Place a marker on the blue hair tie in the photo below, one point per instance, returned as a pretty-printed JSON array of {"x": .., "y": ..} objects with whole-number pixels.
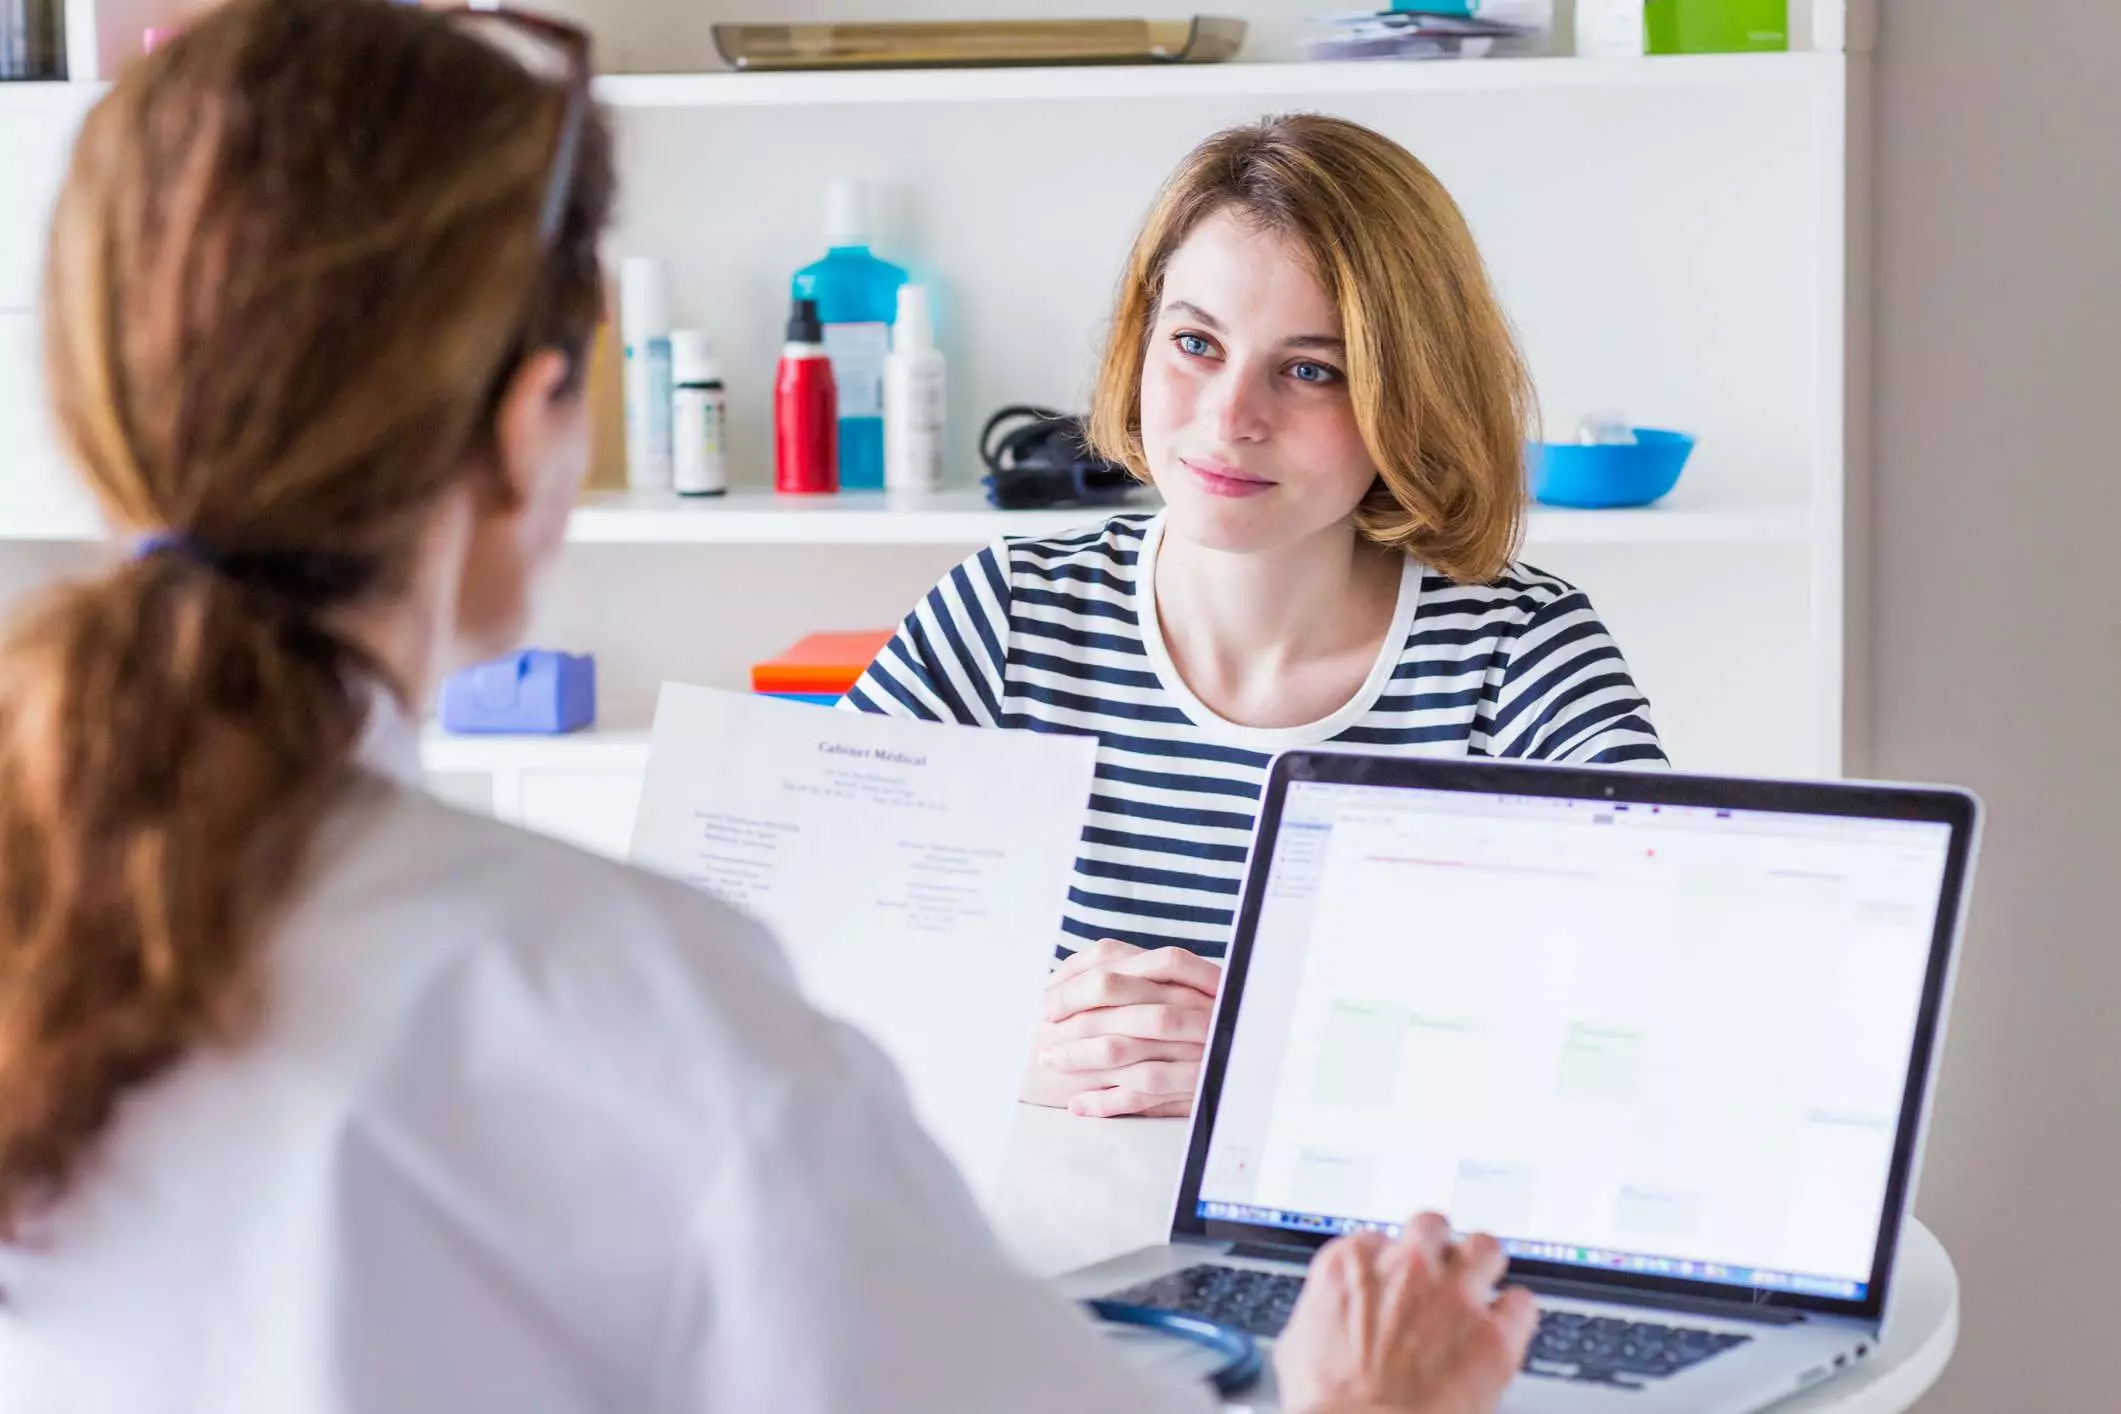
[
  {"x": 305, "y": 579},
  {"x": 171, "y": 542}
]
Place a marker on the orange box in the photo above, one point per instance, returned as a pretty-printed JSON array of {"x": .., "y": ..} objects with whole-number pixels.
[{"x": 821, "y": 663}]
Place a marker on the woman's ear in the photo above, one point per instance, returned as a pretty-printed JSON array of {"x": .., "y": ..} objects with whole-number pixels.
[
  {"x": 541, "y": 450},
  {"x": 533, "y": 421}
]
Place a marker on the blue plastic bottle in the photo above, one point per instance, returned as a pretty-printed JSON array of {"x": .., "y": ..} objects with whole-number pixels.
[{"x": 857, "y": 298}]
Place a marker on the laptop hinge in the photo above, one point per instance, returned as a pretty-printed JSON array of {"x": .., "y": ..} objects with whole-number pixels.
[
  {"x": 1660, "y": 1300},
  {"x": 1274, "y": 1251}
]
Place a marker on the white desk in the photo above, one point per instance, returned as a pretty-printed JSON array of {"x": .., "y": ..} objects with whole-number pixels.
[{"x": 1076, "y": 1191}]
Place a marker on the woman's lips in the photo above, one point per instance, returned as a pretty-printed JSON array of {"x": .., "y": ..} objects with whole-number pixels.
[{"x": 1217, "y": 479}]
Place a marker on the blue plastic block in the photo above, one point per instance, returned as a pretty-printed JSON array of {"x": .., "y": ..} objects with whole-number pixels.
[{"x": 535, "y": 691}]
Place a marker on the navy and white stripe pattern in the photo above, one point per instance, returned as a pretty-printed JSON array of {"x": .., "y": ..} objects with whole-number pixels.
[{"x": 1060, "y": 635}]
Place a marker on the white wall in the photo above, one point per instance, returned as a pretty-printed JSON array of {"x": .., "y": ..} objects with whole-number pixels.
[{"x": 1997, "y": 656}]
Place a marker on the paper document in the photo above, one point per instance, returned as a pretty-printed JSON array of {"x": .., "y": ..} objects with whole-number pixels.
[{"x": 915, "y": 874}]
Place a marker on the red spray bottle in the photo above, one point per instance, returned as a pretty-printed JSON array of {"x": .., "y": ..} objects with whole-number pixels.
[{"x": 806, "y": 410}]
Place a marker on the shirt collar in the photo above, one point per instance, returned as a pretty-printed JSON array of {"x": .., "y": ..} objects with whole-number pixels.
[{"x": 390, "y": 740}]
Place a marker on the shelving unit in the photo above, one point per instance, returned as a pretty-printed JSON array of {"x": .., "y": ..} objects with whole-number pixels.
[
  {"x": 584, "y": 786},
  {"x": 1241, "y": 80},
  {"x": 962, "y": 517},
  {"x": 755, "y": 517},
  {"x": 618, "y": 742},
  {"x": 1680, "y": 238},
  {"x": 1264, "y": 81},
  {"x": 70, "y": 99}
]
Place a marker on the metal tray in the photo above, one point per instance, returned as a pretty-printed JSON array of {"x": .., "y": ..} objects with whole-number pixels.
[{"x": 979, "y": 44}]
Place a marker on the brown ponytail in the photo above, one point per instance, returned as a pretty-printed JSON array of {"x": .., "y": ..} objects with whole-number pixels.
[{"x": 294, "y": 262}]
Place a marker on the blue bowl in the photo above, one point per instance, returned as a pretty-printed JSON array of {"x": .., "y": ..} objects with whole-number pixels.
[{"x": 1596, "y": 478}]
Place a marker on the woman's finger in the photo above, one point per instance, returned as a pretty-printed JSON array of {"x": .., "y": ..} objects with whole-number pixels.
[
  {"x": 1479, "y": 1264},
  {"x": 1160, "y": 1080},
  {"x": 1099, "y": 954},
  {"x": 1112, "y": 1053},
  {"x": 1108, "y": 987},
  {"x": 1174, "y": 965},
  {"x": 1517, "y": 1312},
  {"x": 1154, "y": 1022},
  {"x": 1427, "y": 1237},
  {"x": 1109, "y": 1104}
]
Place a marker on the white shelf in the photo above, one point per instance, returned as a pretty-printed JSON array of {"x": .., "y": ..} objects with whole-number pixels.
[
  {"x": 745, "y": 517},
  {"x": 616, "y": 741},
  {"x": 619, "y": 747},
  {"x": 48, "y": 96},
  {"x": 1686, "y": 517},
  {"x": 51, "y": 521},
  {"x": 1101, "y": 83},
  {"x": 963, "y": 517},
  {"x": 1117, "y": 82}
]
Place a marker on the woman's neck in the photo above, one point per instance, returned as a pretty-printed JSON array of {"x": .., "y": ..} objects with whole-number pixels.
[
  {"x": 409, "y": 636},
  {"x": 1276, "y": 638}
]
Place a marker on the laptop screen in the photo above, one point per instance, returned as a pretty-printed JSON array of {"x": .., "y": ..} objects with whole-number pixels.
[{"x": 1658, "y": 1039}]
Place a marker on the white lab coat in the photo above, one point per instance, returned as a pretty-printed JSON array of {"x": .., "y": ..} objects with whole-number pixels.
[{"x": 528, "y": 1131}]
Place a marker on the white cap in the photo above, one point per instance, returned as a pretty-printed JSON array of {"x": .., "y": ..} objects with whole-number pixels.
[
  {"x": 692, "y": 357},
  {"x": 913, "y": 329},
  {"x": 846, "y": 213},
  {"x": 644, "y": 299}
]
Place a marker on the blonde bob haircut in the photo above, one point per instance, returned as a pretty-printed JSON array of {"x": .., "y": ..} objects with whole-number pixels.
[{"x": 1440, "y": 390}]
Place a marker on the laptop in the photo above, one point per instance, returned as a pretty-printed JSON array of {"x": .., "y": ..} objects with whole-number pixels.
[{"x": 1669, "y": 1038}]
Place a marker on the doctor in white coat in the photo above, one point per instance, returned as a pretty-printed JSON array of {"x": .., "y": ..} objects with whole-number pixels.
[{"x": 317, "y": 1097}]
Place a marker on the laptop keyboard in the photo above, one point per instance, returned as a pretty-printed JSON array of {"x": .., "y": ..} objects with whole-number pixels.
[{"x": 1569, "y": 1346}]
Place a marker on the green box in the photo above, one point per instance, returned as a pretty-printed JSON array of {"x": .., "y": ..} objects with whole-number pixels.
[{"x": 1717, "y": 26}]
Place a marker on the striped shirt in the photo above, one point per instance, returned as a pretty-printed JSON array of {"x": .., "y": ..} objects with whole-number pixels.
[{"x": 1061, "y": 635}]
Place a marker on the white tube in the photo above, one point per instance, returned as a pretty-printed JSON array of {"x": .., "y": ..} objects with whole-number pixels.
[
  {"x": 644, "y": 325},
  {"x": 914, "y": 391}
]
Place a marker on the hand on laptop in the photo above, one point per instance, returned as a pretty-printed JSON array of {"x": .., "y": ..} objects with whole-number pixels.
[
  {"x": 1412, "y": 1326},
  {"x": 1124, "y": 1031}
]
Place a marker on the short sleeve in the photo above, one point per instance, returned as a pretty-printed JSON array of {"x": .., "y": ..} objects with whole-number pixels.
[
  {"x": 1567, "y": 694},
  {"x": 947, "y": 661}
]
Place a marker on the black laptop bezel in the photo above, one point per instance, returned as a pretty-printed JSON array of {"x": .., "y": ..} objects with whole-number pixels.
[{"x": 1957, "y": 809}]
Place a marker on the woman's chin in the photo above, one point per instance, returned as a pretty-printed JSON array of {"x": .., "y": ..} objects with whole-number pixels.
[{"x": 1232, "y": 527}]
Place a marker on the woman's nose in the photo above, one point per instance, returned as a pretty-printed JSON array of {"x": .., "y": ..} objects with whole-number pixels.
[{"x": 1237, "y": 408}]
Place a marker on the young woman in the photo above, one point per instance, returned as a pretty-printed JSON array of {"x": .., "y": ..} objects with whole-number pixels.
[
  {"x": 1308, "y": 363},
  {"x": 315, "y": 1094}
]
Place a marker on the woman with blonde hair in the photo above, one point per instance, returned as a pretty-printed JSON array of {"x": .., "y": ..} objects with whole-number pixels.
[
  {"x": 1307, "y": 361},
  {"x": 316, "y": 1095}
]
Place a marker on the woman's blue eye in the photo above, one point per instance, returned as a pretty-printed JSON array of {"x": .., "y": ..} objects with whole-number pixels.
[
  {"x": 1314, "y": 373},
  {"x": 1194, "y": 344}
]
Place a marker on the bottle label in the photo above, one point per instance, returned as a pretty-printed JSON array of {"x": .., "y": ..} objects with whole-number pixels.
[
  {"x": 925, "y": 392},
  {"x": 913, "y": 425},
  {"x": 857, "y": 352},
  {"x": 648, "y": 441},
  {"x": 698, "y": 415}
]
